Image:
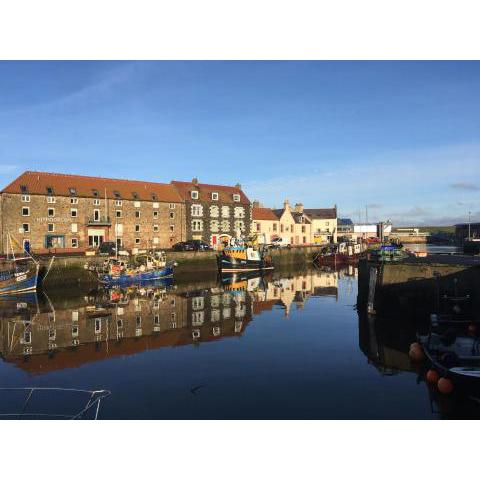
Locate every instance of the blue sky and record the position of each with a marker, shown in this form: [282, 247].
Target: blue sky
[400, 137]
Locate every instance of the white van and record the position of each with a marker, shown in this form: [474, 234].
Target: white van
[280, 243]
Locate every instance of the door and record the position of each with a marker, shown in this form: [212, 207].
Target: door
[94, 241]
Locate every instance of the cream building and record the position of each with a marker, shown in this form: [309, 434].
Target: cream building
[295, 226]
[323, 224]
[264, 224]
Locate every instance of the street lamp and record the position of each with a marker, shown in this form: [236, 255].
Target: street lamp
[469, 213]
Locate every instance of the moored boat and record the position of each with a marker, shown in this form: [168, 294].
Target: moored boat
[18, 276]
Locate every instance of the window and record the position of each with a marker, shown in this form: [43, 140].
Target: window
[172, 205]
[236, 197]
[155, 205]
[274, 227]
[214, 196]
[225, 211]
[25, 227]
[239, 212]
[214, 226]
[137, 241]
[51, 227]
[95, 192]
[96, 201]
[137, 213]
[214, 211]
[118, 203]
[73, 191]
[225, 226]
[23, 189]
[135, 195]
[303, 228]
[156, 240]
[75, 331]
[98, 325]
[26, 211]
[258, 227]
[96, 215]
[74, 228]
[74, 201]
[155, 228]
[50, 191]
[137, 228]
[116, 194]
[281, 228]
[136, 204]
[239, 225]
[51, 212]
[194, 194]
[25, 198]
[197, 225]
[304, 239]
[118, 213]
[155, 214]
[172, 215]
[197, 210]
[172, 228]
[73, 212]
[74, 242]
[51, 200]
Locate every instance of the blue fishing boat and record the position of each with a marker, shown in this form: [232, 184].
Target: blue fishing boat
[18, 276]
[145, 268]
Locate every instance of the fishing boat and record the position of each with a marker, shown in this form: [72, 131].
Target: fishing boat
[244, 255]
[387, 253]
[18, 274]
[340, 254]
[144, 268]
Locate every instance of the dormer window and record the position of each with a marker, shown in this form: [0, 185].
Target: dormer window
[73, 191]
[194, 194]
[95, 192]
[214, 195]
[23, 188]
[135, 195]
[50, 191]
[154, 197]
[116, 194]
[236, 197]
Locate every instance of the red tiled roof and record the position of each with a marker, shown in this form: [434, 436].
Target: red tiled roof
[37, 183]
[260, 213]
[205, 190]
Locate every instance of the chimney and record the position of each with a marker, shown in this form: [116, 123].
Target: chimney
[238, 186]
[195, 180]
[299, 207]
[286, 205]
[256, 204]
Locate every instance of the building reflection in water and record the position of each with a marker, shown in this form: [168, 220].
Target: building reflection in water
[39, 335]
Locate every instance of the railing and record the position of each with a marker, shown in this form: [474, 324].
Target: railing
[100, 220]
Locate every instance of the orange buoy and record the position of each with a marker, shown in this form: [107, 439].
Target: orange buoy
[445, 385]
[432, 376]
[416, 354]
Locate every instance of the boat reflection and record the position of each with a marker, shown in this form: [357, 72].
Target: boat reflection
[40, 335]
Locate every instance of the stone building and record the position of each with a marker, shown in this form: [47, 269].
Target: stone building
[214, 213]
[67, 213]
[295, 226]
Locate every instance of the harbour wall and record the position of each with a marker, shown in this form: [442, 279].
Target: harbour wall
[69, 271]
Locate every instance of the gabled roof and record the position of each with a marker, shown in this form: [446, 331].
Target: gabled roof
[301, 218]
[278, 212]
[36, 183]
[260, 213]
[321, 213]
[205, 190]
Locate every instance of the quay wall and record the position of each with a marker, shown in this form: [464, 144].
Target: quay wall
[69, 271]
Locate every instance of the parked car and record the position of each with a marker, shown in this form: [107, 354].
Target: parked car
[107, 248]
[280, 243]
[192, 245]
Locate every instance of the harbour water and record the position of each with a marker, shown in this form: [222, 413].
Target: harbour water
[290, 346]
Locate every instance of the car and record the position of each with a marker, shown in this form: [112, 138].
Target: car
[192, 246]
[107, 248]
[279, 243]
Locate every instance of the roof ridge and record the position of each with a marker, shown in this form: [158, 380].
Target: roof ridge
[57, 174]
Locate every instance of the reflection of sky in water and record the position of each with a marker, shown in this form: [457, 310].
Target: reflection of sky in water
[292, 347]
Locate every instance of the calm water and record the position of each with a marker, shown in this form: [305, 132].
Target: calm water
[292, 346]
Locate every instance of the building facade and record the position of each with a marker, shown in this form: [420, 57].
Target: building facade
[48, 212]
[324, 224]
[214, 213]
[265, 224]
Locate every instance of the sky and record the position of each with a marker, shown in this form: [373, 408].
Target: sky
[397, 140]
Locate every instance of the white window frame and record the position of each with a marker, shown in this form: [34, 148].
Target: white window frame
[72, 241]
[156, 205]
[172, 215]
[27, 209]
[74, 227]
[28, 228]
[51, 199]
[194, 194]
[118, 203]
[172, 228]
[48, 227]
[96, 201]
[137, 228]
[76, 212]
[137, 213]
[214, 195]
[48, 214]
[236, 197]
[155, 214]
[26, 198]
[156, 228]
[172, 206]
[197, 225]
[118, 214]
[225, 208]
[137, 204]
[196, 210]
[137, 241]
[74, 201]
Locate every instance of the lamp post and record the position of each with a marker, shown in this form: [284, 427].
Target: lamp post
[469, 213]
